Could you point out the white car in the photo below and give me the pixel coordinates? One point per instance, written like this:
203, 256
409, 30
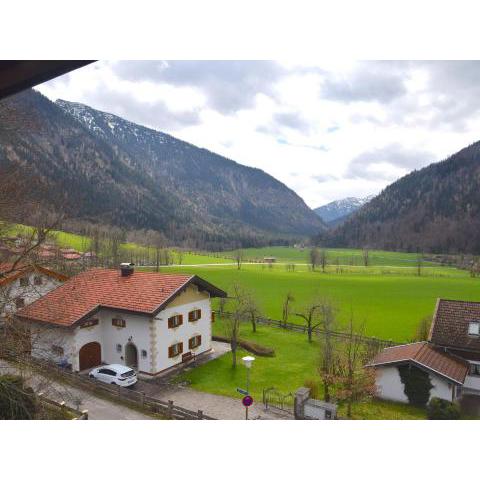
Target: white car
115, 374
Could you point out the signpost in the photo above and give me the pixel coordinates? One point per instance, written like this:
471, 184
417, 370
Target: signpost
247, 401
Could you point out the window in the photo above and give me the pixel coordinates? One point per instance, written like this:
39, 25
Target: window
194, 315
175, 321
57, 350
195, 342
91, 322
475, 369
144, 354
474, 328
19, 302
119, 322
37, 280
107, 371
175, 350
24, 281
119, 348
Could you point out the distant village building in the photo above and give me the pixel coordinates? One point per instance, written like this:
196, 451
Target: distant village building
148, 321
450, 357
269, 259
25, 284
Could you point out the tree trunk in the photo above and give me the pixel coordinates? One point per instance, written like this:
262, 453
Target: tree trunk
233, 344
309, 331
254, 324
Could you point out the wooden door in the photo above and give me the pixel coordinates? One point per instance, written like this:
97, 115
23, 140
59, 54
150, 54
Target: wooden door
90, 355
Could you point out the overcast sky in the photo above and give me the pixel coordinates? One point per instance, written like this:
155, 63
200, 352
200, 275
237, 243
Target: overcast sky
327, 130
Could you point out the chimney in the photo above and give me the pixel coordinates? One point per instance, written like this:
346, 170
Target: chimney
127, 269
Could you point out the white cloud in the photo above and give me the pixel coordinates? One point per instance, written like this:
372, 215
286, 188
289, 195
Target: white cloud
328, 130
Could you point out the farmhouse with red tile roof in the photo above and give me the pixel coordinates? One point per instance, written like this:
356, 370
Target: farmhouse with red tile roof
149, 321
450, 357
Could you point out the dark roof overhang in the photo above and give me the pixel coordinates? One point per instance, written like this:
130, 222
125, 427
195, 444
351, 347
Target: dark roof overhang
18, 75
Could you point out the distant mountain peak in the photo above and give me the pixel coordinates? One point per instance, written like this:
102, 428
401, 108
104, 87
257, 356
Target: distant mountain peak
333, 212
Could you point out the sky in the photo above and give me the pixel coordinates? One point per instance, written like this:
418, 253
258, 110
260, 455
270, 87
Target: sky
328, 130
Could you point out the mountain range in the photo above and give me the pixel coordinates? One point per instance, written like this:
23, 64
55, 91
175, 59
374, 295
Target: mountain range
435, 209
336, 212
100, 168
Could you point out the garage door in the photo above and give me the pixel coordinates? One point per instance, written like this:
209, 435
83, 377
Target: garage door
90, 355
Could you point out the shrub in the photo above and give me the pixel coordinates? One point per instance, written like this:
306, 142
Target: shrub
17, 402
314, 387
439, 409
416, 383
251, 347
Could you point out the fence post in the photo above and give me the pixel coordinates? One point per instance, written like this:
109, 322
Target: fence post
170, 409
200, 415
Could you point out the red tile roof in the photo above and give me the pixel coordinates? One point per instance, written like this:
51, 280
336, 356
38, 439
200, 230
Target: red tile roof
8, 275
83, 294
424, 355
450, 324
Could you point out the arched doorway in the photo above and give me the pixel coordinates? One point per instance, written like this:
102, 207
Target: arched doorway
131, 355
90, 355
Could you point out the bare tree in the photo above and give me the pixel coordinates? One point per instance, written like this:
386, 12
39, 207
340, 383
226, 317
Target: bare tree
314, 314
288, 299
423, 328
419, 264
365, 256
314, 257
238, 255
180, 256
232, 320
323, 259
328, 343
354, 381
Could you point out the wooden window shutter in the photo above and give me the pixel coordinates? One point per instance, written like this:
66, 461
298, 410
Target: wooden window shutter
170, 352
180, 349
199, 340
190, 343
170, 322
180, 320
191, 316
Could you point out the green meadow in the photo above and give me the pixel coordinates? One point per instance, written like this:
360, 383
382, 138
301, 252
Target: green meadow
390, 304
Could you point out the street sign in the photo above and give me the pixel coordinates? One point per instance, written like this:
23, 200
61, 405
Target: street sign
247, 401
242, 391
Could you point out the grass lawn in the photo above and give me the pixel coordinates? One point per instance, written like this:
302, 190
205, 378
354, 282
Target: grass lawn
295, 361
344, 256
391, 305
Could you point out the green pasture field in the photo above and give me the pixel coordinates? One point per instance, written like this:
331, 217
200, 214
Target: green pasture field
391, 305
342, 256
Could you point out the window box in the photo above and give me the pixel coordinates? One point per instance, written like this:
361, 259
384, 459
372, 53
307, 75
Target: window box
175, 321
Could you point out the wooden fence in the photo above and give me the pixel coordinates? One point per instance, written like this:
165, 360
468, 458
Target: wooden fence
76, 414
293, 327
137, 398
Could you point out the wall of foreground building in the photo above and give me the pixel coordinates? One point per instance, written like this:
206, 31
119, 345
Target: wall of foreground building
390, 386
150, 335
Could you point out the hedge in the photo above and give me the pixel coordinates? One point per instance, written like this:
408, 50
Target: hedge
251, 347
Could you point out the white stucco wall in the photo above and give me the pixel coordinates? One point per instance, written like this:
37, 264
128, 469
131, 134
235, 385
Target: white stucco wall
136, 330
390, 386
44, 337
165, 337
29, 293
